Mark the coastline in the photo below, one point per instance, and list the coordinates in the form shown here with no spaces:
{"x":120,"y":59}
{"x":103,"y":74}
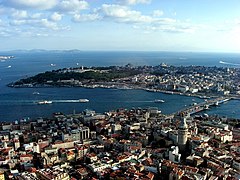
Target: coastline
{"x":127,"y":87}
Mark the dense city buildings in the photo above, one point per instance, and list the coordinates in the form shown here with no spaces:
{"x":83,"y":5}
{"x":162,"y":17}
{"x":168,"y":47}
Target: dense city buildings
{"x":137,"y":143}
{"x":122,"y":144}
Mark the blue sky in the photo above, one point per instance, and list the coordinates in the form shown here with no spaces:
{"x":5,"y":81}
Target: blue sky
{"x":141,"y":25}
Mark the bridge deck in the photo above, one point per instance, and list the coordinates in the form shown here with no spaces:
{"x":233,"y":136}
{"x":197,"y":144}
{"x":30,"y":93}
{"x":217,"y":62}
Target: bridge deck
{"x":201,"y":106}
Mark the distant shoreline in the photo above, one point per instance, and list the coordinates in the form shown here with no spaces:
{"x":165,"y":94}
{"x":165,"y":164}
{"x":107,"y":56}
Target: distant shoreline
{"x":197,"y":81}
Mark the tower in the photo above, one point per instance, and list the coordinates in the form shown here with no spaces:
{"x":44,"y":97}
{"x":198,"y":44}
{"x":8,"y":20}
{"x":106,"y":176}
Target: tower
{"x":195,"y":129}
{"x":182,"y":134}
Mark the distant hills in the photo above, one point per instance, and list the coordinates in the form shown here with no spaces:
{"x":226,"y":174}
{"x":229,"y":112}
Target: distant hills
{"x":42,"y":50}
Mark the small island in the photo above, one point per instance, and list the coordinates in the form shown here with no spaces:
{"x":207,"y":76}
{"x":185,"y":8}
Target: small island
{"x":188,"y":80}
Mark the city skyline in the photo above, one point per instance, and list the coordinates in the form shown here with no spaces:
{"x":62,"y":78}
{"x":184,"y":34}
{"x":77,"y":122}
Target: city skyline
{"x":135,"y":25}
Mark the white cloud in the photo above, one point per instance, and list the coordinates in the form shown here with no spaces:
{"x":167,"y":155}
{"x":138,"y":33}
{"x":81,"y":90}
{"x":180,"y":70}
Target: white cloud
{"x":124,"y":14}
{"x":19,"y":14}
{"x":47,"y":16}
{"x":163,"y":21}
{"x":3,"y":10}
{"x":133,"y":2}
{"x":5,"y":33}
{"x":40,"y":24}
{"x":179,"y":29}
{"x":42,"y":35}
{"x":157,"y":13}
{"x":56,"y":16}
{"x":72,"y":5}
{"x":173,"y":26}
{"x":36,"y":15}
{"x":17,"y":22}
{"x":3,"y":29}
{"x":51,"y":25}
{"x":85,"y":17}
{"x":6,"y":30}
{"x":25,"y":4}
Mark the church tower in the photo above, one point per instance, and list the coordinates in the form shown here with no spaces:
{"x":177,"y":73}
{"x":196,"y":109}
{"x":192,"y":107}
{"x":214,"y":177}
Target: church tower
{"x":182,"y":134}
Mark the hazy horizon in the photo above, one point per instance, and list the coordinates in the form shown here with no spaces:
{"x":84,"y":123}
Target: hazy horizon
{"x":79,"y":50}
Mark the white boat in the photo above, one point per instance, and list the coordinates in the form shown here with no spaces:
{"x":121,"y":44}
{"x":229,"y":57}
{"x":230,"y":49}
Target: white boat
{"x":35,"y":93}
{"x":6,"y":57}
{"x":206,"y":106}
{"x":52,"y":64}
{"x":83,"y":100}
{"x":159,"y":101}
{"x":216,"y":103}
{"x":44,"y":102}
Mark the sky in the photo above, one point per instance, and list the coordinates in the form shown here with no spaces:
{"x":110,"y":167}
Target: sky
{"x":131,"y":25}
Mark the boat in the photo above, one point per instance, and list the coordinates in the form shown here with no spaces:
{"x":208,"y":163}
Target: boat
{"x":224,"y":100}
{"x":6,"y":57}
{"x":159,"y":101}
{"x":83,"y":100}
{"x":206,"y":106}
{"x":44,"y":102}
{"x":35,"y":93}
{"x":216,"y":103}
{"x":205,"y":115}
{"x":124,"y":88}
{"x":169,"y":92}
{"x":52,"y":64}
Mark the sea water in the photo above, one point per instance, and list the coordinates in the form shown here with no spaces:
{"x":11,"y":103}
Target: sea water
{"x":17,"y":103}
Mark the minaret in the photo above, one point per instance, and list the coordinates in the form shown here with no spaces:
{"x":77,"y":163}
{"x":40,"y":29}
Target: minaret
{"x":182,"y":134}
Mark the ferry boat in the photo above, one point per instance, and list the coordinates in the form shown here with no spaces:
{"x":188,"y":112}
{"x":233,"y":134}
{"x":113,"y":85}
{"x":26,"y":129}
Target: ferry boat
{"x":83,"y":100}
{"x":193,"y":104}
{"x":206,"y":106}
{"x":224,"y":100}
{"x":169,"y":92}
{"x":44,"y":102}
{"x":159,"y":101}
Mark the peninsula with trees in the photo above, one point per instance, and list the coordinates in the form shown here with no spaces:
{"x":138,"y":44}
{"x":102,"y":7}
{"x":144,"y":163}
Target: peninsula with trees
{"x":194,"y":80}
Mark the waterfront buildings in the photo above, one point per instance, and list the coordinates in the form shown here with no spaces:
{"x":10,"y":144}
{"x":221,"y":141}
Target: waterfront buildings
{"x":199,"y":80}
